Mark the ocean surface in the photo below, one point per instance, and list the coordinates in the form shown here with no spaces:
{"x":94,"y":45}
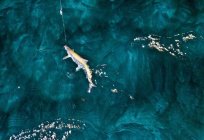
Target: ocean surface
{"x":147,"y":62}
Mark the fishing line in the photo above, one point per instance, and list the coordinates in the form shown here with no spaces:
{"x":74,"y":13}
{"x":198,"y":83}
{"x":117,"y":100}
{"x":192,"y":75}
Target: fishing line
{"x":61,"y":13}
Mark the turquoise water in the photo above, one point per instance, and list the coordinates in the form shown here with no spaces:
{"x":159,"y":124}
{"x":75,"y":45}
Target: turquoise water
{"x":147,"y":59}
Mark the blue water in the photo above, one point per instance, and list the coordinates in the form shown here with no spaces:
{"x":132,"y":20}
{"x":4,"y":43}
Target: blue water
{"x":147,"y":59}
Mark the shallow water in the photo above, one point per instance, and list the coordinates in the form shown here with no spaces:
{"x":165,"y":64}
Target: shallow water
{"x":147,"y":60}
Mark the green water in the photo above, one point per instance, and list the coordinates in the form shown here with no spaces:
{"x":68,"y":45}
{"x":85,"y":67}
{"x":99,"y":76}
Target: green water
{"x":147,"y":59}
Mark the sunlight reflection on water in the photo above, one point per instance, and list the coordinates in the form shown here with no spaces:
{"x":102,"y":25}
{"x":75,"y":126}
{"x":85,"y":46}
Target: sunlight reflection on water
{"x":51,"y":130}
